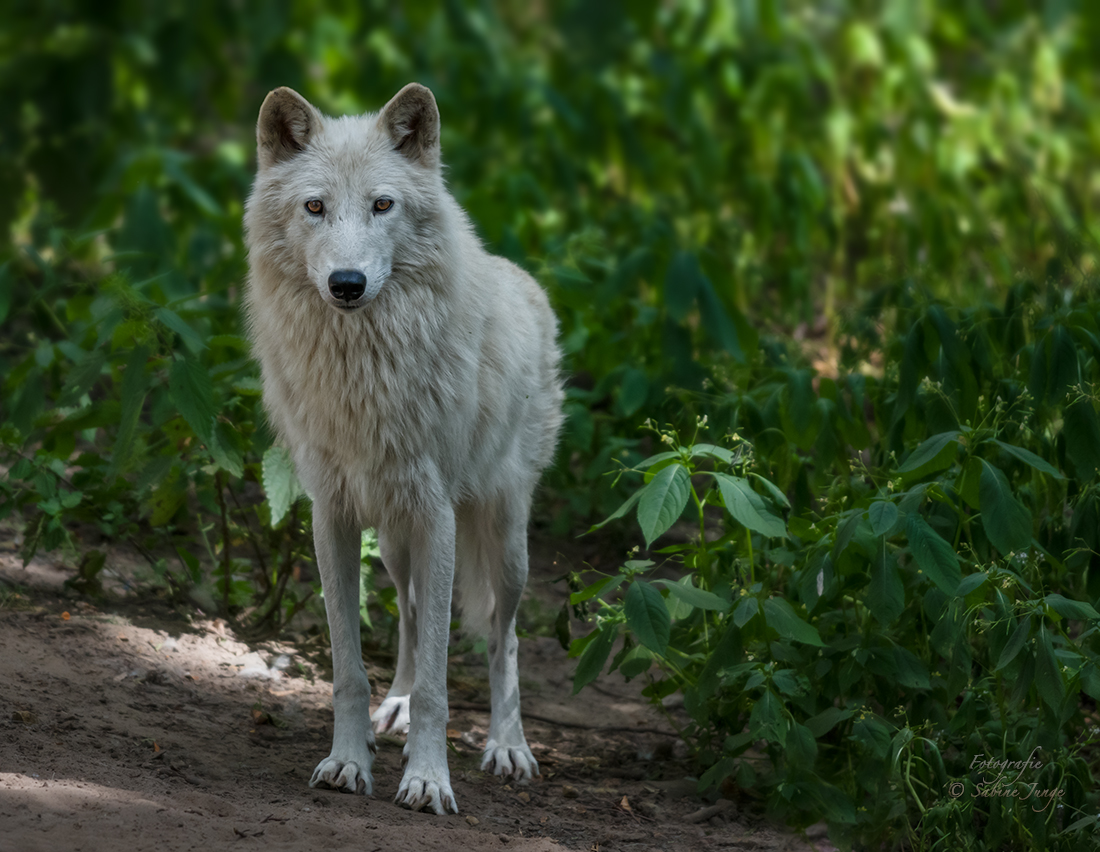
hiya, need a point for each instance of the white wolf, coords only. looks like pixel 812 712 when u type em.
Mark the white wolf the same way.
pixel 414 378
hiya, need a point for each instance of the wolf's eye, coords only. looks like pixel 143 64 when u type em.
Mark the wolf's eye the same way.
pixel 315 206
pixel 383 204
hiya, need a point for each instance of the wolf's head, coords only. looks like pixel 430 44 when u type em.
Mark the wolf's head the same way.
pixel 339 204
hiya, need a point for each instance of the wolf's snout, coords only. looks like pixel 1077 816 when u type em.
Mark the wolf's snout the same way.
pixel 347 285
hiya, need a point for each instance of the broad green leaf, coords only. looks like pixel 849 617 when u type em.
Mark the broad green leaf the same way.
pixel 882 515
pixel 711 451
pixel 912 672
pixel 935 558
pixel 782 618
pixel 1048 674
pixel 594 657
pixel 801 747
pixel 745 610
pixel 191 390
pixel 1006 522
pixel 82 377
pixel 280 483
pixel 604 584
pixel 647 615
pixel 776 493
pixel 1082 433
pixel 826 720
pixel 633 390
pixel 662 501
pixel 766 718
pixel 970 583
pixel 1029 458
pixel 133 390
pixel 886 594
pixel 627 505
pixel 1067 608
pixel 173 320
pixel 934 454
pixel 1015 643
pixel 698 598
pixel 748 507
pixel 683 282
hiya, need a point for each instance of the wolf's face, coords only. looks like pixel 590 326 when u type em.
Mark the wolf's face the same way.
pixel 347 199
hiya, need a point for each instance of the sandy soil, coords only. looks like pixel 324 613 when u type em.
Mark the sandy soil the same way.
pixel 132 725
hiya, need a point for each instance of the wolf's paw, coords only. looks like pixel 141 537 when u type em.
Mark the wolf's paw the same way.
pixel 427 790
pixel 392 715
pixel 347 775
pixel 516 761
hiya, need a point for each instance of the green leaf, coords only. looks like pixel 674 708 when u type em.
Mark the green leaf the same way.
pixel 1048 674
pixel 83 376
pixel 191 390
pixel 801 747
pixel 698 598
pixel 280 483
pixel 1076 610
pixel 712 451
pixel 935 558
pixel 1015 643
pixel 934 454
pixel 627 505
pixel 604 584
pixel 782 618
pixel 883 515
pixel 1082 433
pixel 647 615
pixel 663 499
pixel 970 583
pixel 133 398
pixel 826 720
pixel 633 391
pixel 766 718
pixel 595 655
pixel 1006 522
pixel 1029 458
pixel 776 493
pixel 173 321
pixel 683 282
pixel 886 594
pixel 748 507
pixel 745 610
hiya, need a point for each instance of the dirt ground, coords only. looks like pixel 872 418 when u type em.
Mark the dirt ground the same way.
pixel 130 724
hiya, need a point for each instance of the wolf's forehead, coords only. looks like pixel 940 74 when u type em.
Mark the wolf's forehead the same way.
pixel 355 150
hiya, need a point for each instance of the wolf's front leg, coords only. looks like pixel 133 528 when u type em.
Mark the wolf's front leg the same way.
pixel 347 768
pixel 427 779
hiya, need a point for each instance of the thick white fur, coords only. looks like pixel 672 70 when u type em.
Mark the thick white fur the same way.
pixel 426 409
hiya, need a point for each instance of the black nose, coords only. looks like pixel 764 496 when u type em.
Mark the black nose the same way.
pixel 347 284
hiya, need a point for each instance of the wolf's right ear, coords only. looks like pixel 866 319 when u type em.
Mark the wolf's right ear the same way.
pixel 286 123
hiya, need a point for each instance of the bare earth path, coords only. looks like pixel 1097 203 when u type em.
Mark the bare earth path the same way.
pixel 131 726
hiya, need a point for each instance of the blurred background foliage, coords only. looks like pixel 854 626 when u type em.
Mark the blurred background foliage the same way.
pixel 669 170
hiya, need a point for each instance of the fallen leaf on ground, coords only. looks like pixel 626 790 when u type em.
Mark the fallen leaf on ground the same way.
pixel 65 616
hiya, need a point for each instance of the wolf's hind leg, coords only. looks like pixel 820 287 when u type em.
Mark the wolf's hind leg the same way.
pixel 506 751
pixel 392 714
pixel 348 766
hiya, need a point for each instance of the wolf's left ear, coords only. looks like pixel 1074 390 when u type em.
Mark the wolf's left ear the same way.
pixel 286 123
pixel 412 120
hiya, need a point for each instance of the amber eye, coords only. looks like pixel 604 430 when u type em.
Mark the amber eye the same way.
pixel 315 206
pixel 383 204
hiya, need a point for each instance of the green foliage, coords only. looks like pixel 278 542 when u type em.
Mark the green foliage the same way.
pixel 919 611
